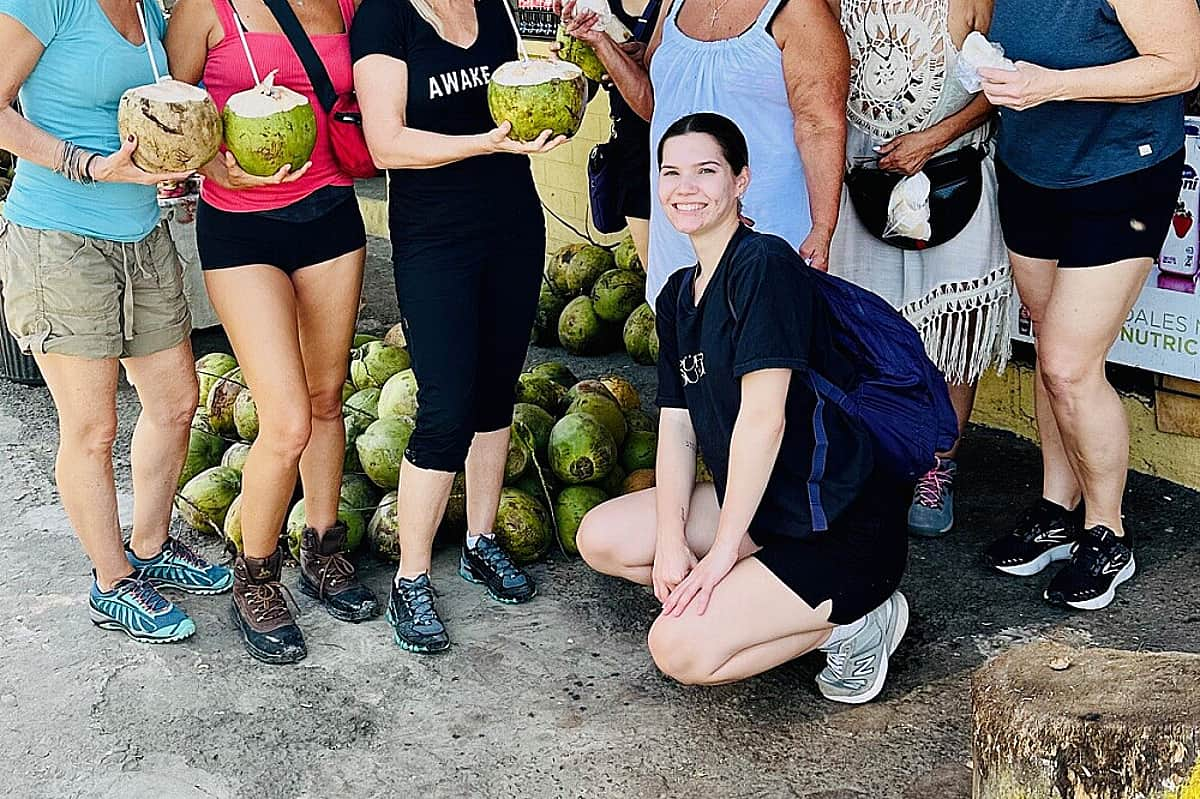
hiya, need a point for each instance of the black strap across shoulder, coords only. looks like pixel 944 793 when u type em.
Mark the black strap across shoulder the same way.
pixel 313 65
pixel 643 23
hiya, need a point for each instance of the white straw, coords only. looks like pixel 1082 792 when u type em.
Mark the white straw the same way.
pixel 242 35
pixel 141 12
pixel 513 21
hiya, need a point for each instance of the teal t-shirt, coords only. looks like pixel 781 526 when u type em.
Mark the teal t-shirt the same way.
pixel 72 94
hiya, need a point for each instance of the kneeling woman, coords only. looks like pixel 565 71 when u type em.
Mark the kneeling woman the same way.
pixel 798 544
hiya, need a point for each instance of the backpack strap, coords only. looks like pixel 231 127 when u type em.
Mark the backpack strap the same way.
pixel 643 23
pixel 318 76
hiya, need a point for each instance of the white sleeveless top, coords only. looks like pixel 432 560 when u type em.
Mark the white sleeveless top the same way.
pixel 740 78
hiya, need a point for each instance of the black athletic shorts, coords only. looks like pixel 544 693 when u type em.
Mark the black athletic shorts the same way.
pixel 857 564
pixel 1114 220
pixel 325 225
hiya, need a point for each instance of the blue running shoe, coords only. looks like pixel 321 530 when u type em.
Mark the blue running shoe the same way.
pixel 932 511
pixel 177 566
pixel 136 608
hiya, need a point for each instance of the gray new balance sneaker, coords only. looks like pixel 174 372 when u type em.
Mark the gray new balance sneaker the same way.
pixel 858 666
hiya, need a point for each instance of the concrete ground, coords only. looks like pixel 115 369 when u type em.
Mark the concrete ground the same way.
pixel 557 698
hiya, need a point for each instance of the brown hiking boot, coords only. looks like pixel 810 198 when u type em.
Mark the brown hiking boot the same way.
pixel 261 612
pixel 328 577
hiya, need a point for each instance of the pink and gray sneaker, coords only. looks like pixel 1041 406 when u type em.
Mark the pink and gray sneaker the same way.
pixel 932 511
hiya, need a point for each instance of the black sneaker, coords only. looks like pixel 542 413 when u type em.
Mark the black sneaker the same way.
pixel 1099 563
pixel 415 623
pixel 1044 533
pixel 489 565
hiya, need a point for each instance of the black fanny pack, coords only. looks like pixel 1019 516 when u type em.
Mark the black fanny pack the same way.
pixel 955 188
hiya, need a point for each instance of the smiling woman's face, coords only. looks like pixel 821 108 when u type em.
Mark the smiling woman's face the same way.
pixel 696 185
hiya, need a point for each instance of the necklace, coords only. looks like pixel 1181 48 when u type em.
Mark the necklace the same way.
pixel 715 11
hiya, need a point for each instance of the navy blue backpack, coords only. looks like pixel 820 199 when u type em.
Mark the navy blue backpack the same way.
pixel 897 393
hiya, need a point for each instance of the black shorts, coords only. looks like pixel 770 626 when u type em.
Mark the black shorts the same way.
pixel 1118 219
pixel 631 158
pixel 857 564
pixel 314 230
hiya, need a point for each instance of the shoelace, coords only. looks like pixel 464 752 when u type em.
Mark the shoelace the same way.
pixel 270 602
pixel 418 599
pixel 496 559
pixel 1092 555
pixel 335 571
pixel 183 552
pixel 931 485
pixel 836 658
pixel 144 595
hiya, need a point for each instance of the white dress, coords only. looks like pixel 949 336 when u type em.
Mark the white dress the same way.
pixel 956 294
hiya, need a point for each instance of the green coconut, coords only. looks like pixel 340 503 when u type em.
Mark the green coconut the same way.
pixel 359 493
pixel 531 484
pixel 208 369
pixel 517 461
pixel 204 500
pixel 399 396
pixel 626 256
pixel 221 398
pixel 177 125
pixel 590 386
pixel 612 482
pixel 361 339
pixel 581 449
pixel 581 54
pixel 383 529
pixel 523 526
pixel 580 331
pixel 235 456
pixel 605 411
pixel 203 451
pixel 540 391
pixel 583 266
pixel 545 321
pixel 557 371
pixel 638 419
pixel 362 408
pixel 617 293
pixel 350 462
pixel 356 527
pixel 556 270
pixel 623 392
pixel 348 390
pixel 245 416
pixel 537 421
pixel 641 336
pixel 375 362
pixel 538 95
pixel 640 451
pixel 381 449
pixel 569 509
pixel 233 523
pixel 269 127
pixel 638 481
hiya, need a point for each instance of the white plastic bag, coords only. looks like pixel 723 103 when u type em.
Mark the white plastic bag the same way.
pixel 978 52
pixel 908 209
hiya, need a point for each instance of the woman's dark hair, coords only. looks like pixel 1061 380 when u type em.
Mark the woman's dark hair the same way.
pixel 729 137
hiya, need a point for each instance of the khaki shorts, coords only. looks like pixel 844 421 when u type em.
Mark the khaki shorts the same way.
pixel 92 298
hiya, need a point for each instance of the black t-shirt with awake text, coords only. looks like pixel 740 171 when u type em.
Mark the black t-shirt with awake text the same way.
pixel 447 93
pixel 762 310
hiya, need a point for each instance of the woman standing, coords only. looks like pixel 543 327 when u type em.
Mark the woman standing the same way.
pixel 629 144
pixel 92 282
pixel 779 70
pixel 748 576
pixel 1090 155
pixel 283 261
pixel 955 293
pixel 468 245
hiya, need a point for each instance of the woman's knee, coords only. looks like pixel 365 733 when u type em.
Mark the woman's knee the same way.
pixel 174 410
pixel 598 539
pixel 326 403
pixel 1065 374
pixel 285 430
pixel 679 653
pixel 90 436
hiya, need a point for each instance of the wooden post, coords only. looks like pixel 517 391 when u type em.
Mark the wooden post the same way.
pixel 1055 722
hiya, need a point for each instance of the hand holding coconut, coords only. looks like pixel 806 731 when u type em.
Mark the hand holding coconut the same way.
pixel 500 141
pixel 120 168
pixel 227 172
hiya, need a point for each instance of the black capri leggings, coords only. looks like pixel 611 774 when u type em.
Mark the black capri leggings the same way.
pixel 467 304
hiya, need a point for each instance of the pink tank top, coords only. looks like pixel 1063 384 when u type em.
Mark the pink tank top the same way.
pixel 226 72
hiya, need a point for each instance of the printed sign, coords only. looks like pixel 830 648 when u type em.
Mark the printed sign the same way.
pixel 1162 332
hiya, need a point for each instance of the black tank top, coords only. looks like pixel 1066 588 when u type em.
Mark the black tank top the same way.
pixel 447 93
